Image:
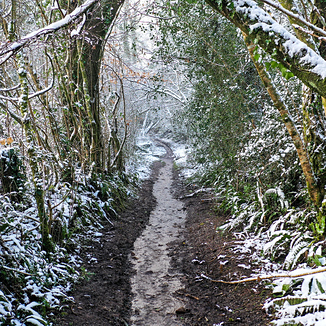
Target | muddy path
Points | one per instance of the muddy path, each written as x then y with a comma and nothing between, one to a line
155,282
103,296
146,269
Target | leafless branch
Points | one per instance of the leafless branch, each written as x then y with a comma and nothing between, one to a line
42,91
9,49
268,277
9,89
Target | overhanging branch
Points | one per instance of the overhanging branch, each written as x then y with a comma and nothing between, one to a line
276,40
9,49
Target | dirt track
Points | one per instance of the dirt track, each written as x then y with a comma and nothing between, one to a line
133,280
155,282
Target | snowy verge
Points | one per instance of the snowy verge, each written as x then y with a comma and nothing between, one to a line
147,152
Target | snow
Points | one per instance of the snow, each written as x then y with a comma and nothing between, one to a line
292,45
306,304
181,152
148,152
11,47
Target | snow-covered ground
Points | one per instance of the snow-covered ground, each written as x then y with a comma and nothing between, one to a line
148,152
298,295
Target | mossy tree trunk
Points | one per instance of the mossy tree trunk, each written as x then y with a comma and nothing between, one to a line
300,146
301,55
32,155
85,57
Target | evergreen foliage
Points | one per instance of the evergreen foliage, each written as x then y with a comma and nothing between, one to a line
12,173
253,113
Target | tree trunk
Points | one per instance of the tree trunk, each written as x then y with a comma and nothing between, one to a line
310,149
86,73
32,155
313,188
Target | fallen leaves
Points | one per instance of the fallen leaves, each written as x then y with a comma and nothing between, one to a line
6,141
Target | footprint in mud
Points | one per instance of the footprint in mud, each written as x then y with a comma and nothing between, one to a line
154,284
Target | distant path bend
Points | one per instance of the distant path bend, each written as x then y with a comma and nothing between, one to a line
169,153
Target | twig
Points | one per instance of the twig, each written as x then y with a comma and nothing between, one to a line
42,91
268,277
216,256
197,192
187,295
9,89
191,296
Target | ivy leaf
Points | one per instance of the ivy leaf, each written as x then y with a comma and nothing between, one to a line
3,227
288,75
283,71
256,56
274,64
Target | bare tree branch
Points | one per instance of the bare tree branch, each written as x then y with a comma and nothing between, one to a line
9,49
40,92
9,89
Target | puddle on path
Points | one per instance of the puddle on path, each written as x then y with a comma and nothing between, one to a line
155,282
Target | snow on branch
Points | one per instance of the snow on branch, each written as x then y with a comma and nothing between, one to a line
276,40
9,49
295,16
9,89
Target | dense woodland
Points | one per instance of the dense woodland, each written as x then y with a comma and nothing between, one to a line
241,83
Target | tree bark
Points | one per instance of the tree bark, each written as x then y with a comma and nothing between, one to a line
32,155
284,47
97,27
312,185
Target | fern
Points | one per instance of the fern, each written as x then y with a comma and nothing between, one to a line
291,300
279,238
295,253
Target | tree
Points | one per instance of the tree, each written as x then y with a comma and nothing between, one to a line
297,54
38,106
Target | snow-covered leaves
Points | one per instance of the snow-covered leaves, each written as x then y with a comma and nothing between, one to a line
31,280
300,301
35,282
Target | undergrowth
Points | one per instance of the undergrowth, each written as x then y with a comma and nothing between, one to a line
287,239
34,282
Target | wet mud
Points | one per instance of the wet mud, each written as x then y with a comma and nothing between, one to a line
155,282
146,270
